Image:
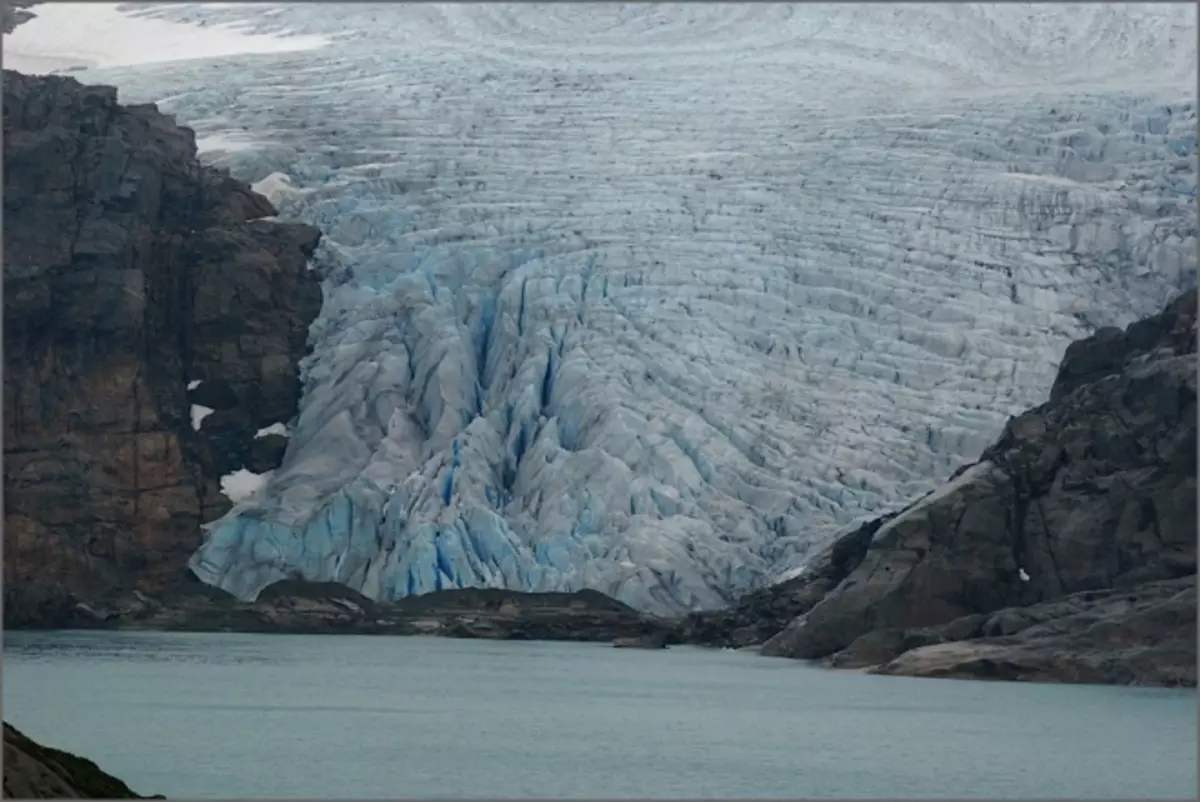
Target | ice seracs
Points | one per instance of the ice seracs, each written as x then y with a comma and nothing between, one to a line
657,302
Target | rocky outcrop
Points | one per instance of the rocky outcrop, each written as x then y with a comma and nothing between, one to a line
131,274
33,771
1144,635
298,607
1068,552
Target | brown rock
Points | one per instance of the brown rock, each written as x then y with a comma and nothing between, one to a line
130,270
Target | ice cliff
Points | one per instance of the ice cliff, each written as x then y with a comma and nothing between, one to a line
657,299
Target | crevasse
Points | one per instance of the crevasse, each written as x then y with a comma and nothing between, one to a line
655,299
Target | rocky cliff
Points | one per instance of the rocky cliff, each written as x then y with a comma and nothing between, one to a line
1068,551
153,322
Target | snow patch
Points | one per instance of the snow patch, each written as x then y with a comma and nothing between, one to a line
1021,573
242,485
275,428
277,187
66,36
199,413
194,383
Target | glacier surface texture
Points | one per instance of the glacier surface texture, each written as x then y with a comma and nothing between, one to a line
656,299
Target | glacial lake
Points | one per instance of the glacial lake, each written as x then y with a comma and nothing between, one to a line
236,715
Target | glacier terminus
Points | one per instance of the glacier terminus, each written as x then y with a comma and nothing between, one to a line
656,299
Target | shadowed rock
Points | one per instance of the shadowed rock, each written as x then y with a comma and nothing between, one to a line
130,271
299,607
33,771
1140,636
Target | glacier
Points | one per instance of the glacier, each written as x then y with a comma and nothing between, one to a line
656,299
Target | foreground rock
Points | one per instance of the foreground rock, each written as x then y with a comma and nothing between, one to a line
1068,552
153,322
327,608
33,771
1140,636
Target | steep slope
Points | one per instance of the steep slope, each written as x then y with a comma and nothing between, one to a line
656,299
1069,548
152,326
33,771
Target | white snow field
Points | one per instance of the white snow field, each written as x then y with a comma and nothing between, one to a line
657,299
67,37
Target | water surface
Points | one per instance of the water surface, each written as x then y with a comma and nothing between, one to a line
238,715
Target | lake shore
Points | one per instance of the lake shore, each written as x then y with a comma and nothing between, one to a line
1128,637
295,607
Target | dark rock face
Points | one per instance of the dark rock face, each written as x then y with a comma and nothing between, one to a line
1067,552
33,771
36,604
130,271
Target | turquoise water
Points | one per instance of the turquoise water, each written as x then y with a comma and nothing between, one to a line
230,715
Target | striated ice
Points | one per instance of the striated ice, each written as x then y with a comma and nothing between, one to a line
656,299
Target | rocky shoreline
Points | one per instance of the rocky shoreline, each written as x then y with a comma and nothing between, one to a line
295,607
